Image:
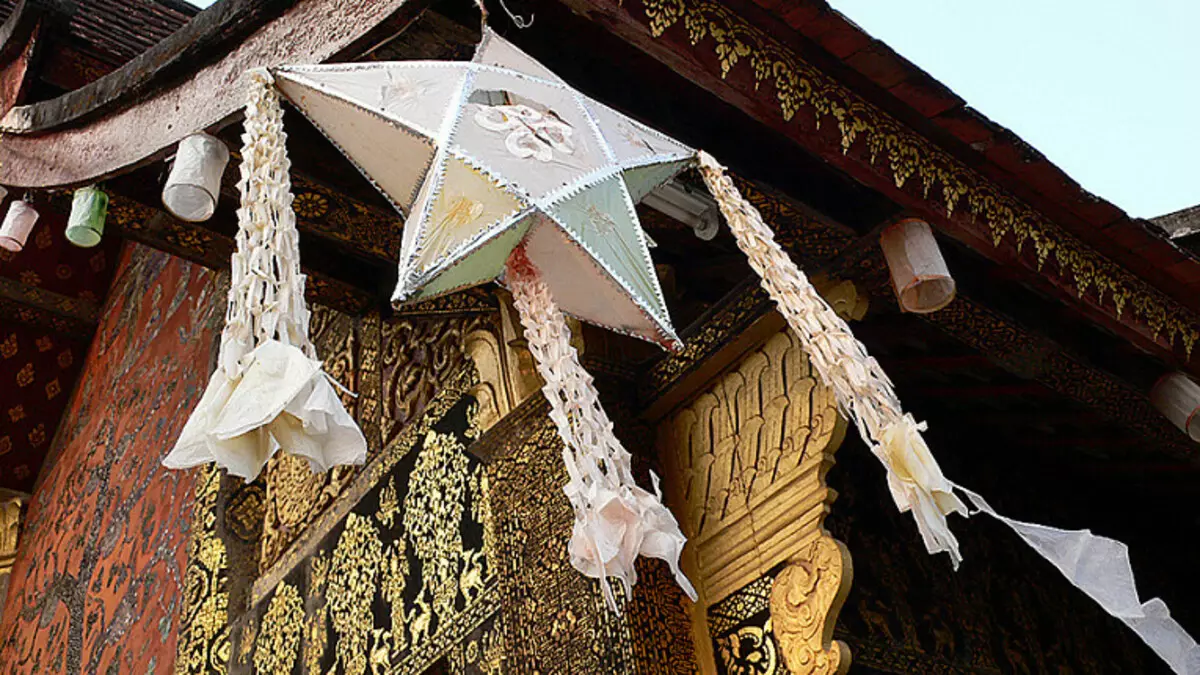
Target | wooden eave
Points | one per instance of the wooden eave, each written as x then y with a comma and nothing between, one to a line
804,70
852,102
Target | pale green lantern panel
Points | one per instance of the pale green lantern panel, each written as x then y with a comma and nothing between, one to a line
481,157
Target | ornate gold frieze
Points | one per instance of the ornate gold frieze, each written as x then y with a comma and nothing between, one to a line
908,156
204,619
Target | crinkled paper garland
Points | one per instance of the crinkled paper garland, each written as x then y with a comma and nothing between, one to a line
615,520
1098,566
268,390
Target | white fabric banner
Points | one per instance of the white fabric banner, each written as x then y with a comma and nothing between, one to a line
1100,567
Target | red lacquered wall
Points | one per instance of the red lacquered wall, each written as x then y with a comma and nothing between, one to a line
98,580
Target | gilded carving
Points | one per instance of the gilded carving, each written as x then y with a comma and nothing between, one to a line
278,643
315,623
433,510
799,86
353,577
745,460
418,354
10,525
204,633
394,581
755,439
749,651
805,600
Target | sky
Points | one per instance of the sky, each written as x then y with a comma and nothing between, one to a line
1108,90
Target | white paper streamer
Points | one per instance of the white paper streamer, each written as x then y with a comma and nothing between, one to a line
1100,567
862,389
615,520
268,390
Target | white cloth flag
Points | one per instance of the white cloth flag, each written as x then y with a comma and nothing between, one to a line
1100,567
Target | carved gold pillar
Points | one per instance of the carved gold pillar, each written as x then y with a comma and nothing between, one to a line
746,455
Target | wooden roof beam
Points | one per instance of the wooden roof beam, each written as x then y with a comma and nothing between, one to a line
790,96
140,111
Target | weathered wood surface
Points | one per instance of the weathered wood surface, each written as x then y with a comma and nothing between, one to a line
44,146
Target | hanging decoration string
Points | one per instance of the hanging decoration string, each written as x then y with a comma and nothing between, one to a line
266,291
862,389
268,391
615,520
1098,566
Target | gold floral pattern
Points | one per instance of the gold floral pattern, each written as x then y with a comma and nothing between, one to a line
353,576
278,643
908,156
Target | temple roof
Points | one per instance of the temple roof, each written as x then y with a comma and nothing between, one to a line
1061,327
114,31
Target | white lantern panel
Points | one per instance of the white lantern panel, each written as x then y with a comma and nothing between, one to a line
532,134
495,51
601,217
465,206
18,223
394,157
583,289
419,94
632,142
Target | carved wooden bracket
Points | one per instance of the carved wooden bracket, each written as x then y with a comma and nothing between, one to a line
805,600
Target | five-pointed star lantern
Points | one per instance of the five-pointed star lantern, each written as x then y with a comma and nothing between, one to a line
503,171
483,156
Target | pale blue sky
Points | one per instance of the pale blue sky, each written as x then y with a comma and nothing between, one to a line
1109,90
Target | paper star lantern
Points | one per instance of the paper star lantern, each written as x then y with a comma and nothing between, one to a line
482,156
503,171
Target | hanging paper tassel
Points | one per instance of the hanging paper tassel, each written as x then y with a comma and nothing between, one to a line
615,520
268,390
862,389
1096,565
